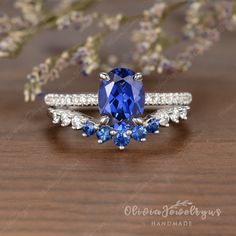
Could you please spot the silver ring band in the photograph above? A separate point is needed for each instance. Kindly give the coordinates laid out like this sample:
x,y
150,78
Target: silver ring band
x,y
91,99
76,119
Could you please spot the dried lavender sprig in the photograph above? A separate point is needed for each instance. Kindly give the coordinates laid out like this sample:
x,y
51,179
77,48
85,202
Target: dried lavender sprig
x,y
86,56
111,23
76,20
147,38
13,40
198,29
32,11
8,24
151,41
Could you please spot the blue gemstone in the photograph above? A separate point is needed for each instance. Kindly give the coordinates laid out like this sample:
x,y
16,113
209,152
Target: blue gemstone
x,y
139,132
122,97
104,133
89,128
121,139
153,125
122,126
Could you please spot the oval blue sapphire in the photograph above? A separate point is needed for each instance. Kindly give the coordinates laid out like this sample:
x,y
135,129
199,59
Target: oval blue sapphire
x,y
122,97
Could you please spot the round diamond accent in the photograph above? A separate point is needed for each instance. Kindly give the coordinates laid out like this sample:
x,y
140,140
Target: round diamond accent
x,y
76,122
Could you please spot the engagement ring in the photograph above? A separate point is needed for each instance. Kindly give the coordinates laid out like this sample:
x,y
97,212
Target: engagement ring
x,y
121,100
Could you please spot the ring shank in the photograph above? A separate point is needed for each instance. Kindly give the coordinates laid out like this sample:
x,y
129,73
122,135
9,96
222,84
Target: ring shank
x,y
91,99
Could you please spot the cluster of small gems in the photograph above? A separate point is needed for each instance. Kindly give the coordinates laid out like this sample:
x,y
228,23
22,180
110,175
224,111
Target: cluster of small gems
x,y
121,99
123,133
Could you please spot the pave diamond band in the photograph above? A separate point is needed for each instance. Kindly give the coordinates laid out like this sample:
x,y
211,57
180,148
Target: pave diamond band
x,y
91,99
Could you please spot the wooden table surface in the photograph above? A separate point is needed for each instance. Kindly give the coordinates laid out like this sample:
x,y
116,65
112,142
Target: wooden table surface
x,y
54,182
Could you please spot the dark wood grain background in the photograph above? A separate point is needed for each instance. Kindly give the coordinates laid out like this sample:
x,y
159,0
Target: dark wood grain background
x,y
54,182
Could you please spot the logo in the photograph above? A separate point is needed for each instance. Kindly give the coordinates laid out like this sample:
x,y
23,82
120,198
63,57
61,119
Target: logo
x,y
164,215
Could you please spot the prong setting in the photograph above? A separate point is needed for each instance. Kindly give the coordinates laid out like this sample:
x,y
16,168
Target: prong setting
x,y
96,126
128,132
138,121
104,76
113,132
138,76
104,120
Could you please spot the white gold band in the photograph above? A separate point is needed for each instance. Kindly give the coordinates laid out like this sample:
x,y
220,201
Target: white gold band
x,y
91,99
76,119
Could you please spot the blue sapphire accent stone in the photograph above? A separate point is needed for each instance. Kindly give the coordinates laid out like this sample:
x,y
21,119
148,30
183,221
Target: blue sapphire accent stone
x,y
122,126
89,128
104,133
139,132
122,97
121,139
153,125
